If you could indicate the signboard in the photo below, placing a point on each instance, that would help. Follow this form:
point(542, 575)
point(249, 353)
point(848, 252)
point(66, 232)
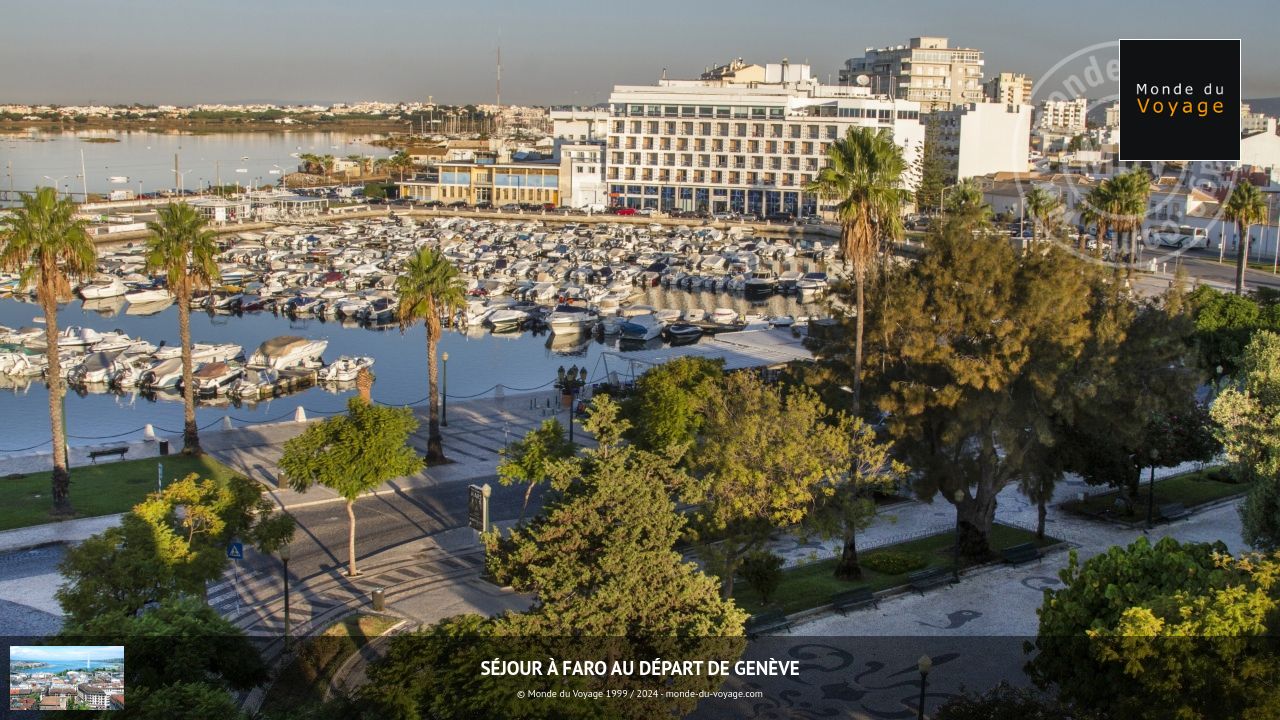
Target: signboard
point(235, 551)
point(476, 508)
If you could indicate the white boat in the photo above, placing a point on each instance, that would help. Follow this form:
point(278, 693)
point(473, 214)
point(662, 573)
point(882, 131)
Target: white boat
point(127, 372)
point(149, 295)
point(213, 378)
point(611, 325)
point(680, 333)
point(694, 315)
point(16, 364)
point(78, 337)
point(506, 319)
point(96, 368)
point(118, 179)
point(162, 375)
point(570, 319)
point(667, 315)
point(642, 328)
point(724, 316)
point(151, 308)
point(812, 285)
point(103, 287)
point(345, 369)
point(254, 383)
point(202, 352)
point(287, 351)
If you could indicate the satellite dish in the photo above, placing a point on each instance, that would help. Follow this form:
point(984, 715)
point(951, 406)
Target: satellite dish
point(863, 80)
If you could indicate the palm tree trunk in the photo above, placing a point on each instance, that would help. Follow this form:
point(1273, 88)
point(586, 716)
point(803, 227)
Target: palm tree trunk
point(190, 434)
point(57, 389)
point(1041, 512)
point(435, 444)
point(859, 322)
point(1242, 257)
point(351, 539)
point(848, 567)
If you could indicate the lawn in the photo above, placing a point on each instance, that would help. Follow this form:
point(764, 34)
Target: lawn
point(102, 489)
point(1191, 489)
point(812, 585)
point(306, 678)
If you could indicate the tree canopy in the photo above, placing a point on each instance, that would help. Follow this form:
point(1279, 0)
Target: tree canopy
point(1250, 432)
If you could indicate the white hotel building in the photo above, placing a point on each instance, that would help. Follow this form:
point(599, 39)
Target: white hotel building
point(742, 138)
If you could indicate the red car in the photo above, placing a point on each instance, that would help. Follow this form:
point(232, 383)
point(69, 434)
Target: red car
point(624, 211)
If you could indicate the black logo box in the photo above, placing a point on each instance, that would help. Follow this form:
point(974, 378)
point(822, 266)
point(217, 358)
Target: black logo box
point(1184, 64)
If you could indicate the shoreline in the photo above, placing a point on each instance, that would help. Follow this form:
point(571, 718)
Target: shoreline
point(206, 127)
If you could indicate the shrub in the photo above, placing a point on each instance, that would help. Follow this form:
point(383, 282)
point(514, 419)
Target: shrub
point(762, 572)
point(894, 562)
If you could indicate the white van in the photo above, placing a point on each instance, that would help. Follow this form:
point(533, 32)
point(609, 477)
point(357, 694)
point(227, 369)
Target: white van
point(1182, 236)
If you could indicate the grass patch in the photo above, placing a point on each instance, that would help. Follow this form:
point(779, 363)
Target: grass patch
point(812, 585)
point(304, 681)
point(1191, 489)
point(102, 489)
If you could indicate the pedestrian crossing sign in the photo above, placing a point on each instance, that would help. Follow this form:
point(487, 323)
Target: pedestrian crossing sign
point(235, 551)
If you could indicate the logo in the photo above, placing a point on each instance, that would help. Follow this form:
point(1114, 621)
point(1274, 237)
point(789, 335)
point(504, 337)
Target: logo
point(1180, 100)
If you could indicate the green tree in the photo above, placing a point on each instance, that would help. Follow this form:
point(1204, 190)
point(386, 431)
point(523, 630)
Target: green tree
point(965, 205)
point(1224, 324)
point(665, 413)
point(528, 460)
point(1163, 631)
point(764, 459)
point(48, 247)
point(762, 572)
point(352, 454)
point(430, 290)
point(1249, 417)
point(1044, 208)
point(933, 172)
point(1245, 207)
point(863, 176)
point(1131, 192)
point(183, 249)
point(1097, 213)
point(172, 544)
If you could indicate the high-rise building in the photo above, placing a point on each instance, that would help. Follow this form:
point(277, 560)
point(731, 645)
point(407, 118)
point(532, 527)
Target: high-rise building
point(983, 138)
point(1063, 116)
point(1112, 119)
point(926, 71)
point(1009, 88)
point(741, 138)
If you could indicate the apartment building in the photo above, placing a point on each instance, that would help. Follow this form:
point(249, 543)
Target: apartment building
point(1063, 116)
point(926, 70)
point(486, 181)
point(741, 138)
point(983, 138)
point(582, 182)
point(1009, 88)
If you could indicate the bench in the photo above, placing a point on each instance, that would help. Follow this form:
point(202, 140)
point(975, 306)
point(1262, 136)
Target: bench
point(767, 621)
point(107, 452)
point(1174, 511)
point(858, 597)
point(1018, 554)
point(922, 580)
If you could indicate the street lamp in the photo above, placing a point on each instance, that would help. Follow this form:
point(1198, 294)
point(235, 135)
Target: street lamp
point(569, 383)
point(1151, 487)
point(958, 496)
point(55, 181)
point(924, 665)
point(444, 392)
point(284, 560)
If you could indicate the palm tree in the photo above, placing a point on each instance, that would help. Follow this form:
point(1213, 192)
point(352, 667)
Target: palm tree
point(1042, 206)
point(430, 290)
point(863, 176)
point(1246, 208)
point(965, 204)
point(1097, 212)
point(44, 242)
point(183, 249)
point(1132, 192)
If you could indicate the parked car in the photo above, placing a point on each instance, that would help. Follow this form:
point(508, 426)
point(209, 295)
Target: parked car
point(624, 211)
point(457, 204)
point(484, 206)
point(780, 217)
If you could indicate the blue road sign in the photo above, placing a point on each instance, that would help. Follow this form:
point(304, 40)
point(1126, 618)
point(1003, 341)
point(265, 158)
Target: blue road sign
point(235, 551)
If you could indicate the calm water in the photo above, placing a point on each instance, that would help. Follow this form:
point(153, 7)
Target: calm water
point(146, 158)
point(477, 363)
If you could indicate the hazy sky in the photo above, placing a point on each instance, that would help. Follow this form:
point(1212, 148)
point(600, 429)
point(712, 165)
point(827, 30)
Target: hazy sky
point(553, 51)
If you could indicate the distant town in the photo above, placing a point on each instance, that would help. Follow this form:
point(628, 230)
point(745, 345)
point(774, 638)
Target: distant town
point(53, 684)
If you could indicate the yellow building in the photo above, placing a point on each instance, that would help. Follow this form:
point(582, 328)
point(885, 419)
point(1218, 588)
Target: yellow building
point(481, 182)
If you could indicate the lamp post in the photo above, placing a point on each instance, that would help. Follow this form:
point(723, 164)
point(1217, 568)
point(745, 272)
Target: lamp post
point(1151, 487)
point(55, 181)
point(444, 391)
point(284, 561)
point(924, 665)
point(958, 496)
point(569, 383)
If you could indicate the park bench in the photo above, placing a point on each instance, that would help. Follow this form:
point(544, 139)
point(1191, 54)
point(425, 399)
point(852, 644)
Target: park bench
point(767, 621)
point(922, 580)
point(858, 597)
point(1018, 554)
point(1174, 511)
point(107, 452)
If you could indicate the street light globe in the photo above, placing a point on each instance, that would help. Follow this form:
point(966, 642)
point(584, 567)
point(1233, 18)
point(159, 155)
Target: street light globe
point(444, 356)
point(285, 552)
point(925, 664)
point(958, 496)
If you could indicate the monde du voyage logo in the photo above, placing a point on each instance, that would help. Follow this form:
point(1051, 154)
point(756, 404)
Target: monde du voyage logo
point(1179, 100)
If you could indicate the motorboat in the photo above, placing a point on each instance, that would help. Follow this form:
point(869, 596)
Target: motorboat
point(787, 281)
point(812, 285)
point(95, 368)
point(642, 328)
point(303, 305)
point(668, 315)
point(145, 296)
point(724, 316)
point(782, 321)
point(694, 315)
point(682, 333)
point(103, 287)
point(570, 319)
point(164, 374)
point(213, 378)
point(760, 284)
point(507, 319)
point(127, 372)
point(19, 364)
point(345, 368)
point(288, 351)
point(202, 352)
point(79, 337)
point(254, 383)
point(379, 310)
point(611, 325)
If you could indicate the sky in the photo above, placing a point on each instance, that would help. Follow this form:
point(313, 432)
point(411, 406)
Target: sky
point(67, 653)
point(553, 51)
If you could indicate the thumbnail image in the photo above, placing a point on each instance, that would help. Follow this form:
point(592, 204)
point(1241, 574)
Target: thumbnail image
point(66, 677)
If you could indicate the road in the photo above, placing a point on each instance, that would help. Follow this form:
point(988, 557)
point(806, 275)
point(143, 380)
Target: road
point(28, 579)
point(1203, 264)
